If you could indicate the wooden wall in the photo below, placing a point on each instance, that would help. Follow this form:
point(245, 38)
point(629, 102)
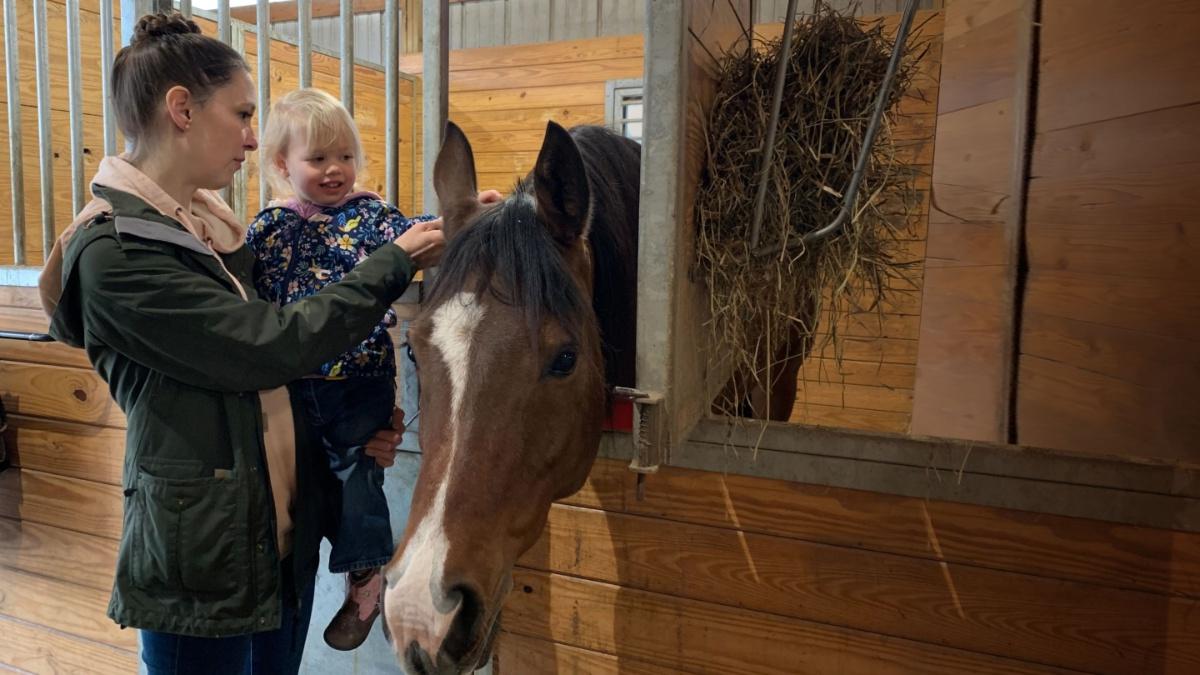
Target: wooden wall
point(1110, 342)
point(1105, 315)
point(723, 574)
point(60, 512)
point(369, 98)
point(502, 97)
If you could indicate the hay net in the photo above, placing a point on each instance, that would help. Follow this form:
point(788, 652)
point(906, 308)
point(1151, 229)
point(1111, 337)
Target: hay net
point(765, 308)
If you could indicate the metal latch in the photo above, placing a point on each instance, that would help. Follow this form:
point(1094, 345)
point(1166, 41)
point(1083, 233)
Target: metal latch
point(649, 433)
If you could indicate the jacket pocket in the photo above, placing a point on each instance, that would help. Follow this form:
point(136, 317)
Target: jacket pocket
point(187, 530)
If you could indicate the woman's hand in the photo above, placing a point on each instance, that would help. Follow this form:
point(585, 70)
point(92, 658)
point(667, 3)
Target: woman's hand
point(382, 446)
point(423, 242)
point(490, 197)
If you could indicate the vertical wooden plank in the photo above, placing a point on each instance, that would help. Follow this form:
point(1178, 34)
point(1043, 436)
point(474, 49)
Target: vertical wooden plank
point(492, 25)
point(456, 26)
point(962, 387)
point(527, 21)
point(623, 17)
point(576, 20)
point(470, 24)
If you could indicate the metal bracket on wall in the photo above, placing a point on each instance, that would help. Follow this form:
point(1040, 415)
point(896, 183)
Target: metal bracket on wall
point(649, 433)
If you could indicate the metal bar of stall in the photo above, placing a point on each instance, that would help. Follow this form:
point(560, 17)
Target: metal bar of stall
point(45, 149)
point(435, 37)
point(391, 55)
point(237, 191)
point(185, 8)
point(75, 106)
point(304, 16)
point(764, 170)
point(224, 27)
point(16, 167)
point(131, 12)
point(347, 61)
point(107, 54)
point(263, 22)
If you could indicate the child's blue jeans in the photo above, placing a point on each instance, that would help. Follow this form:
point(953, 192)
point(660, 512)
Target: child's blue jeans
point(345, 414)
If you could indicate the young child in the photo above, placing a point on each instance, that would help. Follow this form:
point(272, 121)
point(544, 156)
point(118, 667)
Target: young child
point(312, 153)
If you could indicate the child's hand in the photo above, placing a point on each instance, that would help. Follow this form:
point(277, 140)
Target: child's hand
point(490, 197)
point(423, 242)
point(382, 446)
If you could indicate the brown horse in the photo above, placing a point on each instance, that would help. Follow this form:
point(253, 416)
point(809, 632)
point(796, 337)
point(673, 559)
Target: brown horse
point(529, 324)
point(530, 319)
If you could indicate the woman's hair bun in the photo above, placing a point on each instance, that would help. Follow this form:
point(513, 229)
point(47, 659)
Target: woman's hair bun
point(157, 26)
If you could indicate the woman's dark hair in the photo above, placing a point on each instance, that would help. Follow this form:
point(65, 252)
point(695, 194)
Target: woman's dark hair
point(167, 50)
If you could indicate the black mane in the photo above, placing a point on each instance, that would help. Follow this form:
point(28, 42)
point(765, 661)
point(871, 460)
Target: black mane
point(511, 255)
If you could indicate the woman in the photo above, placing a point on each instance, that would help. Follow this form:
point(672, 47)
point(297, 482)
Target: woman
point(224, 497)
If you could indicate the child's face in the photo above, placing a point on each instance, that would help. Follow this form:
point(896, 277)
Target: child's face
point(320, 175)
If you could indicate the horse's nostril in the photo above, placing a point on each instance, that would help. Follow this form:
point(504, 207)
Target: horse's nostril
point(418, 660)
point(464, 631)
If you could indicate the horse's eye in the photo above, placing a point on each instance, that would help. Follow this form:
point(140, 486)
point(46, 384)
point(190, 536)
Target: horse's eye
point(563, 363)
point(411, 356)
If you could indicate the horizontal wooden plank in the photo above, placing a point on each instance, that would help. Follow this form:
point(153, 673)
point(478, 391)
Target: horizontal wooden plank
point(858, 396)
point(30, 648)
point(1094, 56)
point(56, 392)
point(896, 376)
point(1061, 405)
point(63, 607)
point(590, 93)
point(68, 503)
point(53, 552)
point(848, 417)
point(527, 118)
point(1147, 250)
point(1119, 556)
point(868, 350)
point(24, 319)
point(1157, 196)
point(1131, 356)
point(707, 638)
point(1146, 141)
point(46, 353)
point(546, 74)
point(488, 58)
point(1072, 625)
point(67, 449)
point(1165, 307)
point(19, 296)
point(523, 655)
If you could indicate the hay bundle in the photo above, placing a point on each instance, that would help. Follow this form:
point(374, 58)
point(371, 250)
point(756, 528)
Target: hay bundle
point(762, 302)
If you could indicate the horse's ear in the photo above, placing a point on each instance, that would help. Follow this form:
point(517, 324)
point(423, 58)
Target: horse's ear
point(561, 187)
point(454, 179)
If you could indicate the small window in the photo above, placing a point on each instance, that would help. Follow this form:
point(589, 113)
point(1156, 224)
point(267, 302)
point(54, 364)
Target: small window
point(625, 108)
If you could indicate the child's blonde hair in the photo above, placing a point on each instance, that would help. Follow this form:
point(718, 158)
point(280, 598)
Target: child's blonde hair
point(309, 116)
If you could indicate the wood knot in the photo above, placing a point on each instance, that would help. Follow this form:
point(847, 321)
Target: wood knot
point(80, 394)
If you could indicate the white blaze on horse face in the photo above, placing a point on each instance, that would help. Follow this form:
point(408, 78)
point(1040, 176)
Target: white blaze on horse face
point(417, 600)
